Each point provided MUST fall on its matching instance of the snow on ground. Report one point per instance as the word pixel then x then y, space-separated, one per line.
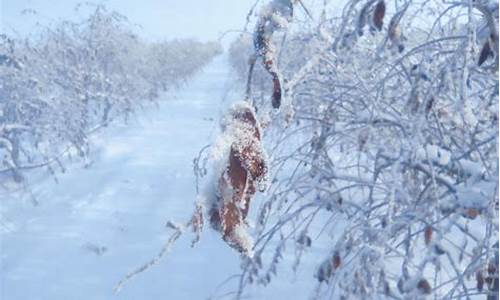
pixel 99 223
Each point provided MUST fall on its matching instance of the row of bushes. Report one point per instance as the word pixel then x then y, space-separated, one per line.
pixel 71 79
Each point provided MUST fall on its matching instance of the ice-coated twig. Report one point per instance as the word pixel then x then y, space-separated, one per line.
pixel 196 223
pixel 164 250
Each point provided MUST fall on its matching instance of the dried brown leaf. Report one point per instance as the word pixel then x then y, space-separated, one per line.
pixel 424 286
pixel 378 15
pixel 428 235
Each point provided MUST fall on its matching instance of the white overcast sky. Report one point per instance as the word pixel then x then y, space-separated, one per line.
pixel 160 19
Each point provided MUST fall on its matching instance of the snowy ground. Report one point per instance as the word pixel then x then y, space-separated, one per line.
pixel 99 223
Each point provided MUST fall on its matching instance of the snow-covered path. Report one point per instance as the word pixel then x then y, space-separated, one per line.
pixel 99 223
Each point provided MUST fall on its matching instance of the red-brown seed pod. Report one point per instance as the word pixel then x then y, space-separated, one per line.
pixel 378 15
pixel 471 213
pixel 424 286
pixel 428 235
pixel 336 261
pixel 276 99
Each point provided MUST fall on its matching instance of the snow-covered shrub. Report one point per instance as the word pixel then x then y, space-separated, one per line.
pixel 391 159
pixel 68 80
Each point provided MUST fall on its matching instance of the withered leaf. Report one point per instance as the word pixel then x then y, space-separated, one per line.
pixel 336 261
pixel 428 235
pixel 378 15
pixel 424 286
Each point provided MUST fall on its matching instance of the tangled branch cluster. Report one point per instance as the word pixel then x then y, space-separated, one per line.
pixel 391 159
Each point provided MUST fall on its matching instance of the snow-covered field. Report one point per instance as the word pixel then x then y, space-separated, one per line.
pixel 381 164
pixel 99 223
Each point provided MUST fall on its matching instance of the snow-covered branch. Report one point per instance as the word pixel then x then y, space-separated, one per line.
pixel 394 137
pixel 65 81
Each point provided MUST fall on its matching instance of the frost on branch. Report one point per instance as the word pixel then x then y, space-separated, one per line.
pixel 391 160
pixel 73 78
